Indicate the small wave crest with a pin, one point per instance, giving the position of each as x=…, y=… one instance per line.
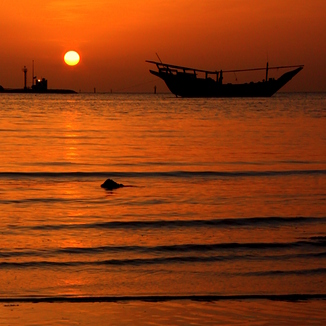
x=179, y=259
x=173, y=174
x=182, y=248
x=165, y=298
x=272, y=221
x=131, y=262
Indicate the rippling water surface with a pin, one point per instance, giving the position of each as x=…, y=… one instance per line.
x=224, y=207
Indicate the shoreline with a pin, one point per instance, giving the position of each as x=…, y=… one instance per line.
x=165, y=313
x=30, y=91
x=166, y=298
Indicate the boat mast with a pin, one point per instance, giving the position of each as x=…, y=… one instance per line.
x=158, y=57
x=267, y=71
x=32, y=73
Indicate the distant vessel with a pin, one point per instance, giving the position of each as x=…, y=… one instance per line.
x=38, y=86
x=184, y=81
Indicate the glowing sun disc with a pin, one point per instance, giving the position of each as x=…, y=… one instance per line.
x=71, y=58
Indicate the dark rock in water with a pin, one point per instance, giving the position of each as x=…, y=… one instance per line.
x=110, y=185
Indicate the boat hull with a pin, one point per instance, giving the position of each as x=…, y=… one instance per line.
x=186, y=84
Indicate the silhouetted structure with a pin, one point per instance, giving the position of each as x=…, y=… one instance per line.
x=40, y=86
x=33, y=77
x=25, y=77
x=184, y=82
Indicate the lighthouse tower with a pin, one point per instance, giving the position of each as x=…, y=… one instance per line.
x=25, y=76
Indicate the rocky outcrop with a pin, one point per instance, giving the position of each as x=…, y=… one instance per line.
x=110, y=185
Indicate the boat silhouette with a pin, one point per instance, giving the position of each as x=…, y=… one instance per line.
x=38, y=86
x=185, y=82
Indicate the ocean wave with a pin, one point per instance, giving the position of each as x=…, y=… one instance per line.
x=50, y=200
x=181, y=259
x=110, y=262
x=164, y=298
x=173, y=174
x=182, y=248
x=287, y=272
x=272, y=221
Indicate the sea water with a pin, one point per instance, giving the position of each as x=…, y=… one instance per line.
x=222, y=217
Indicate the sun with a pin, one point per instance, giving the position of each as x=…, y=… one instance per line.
x=71, y=58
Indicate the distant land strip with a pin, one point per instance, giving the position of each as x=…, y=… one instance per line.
x=164, y=298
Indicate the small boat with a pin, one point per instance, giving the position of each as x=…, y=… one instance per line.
x=186, y=82
x=38, y=86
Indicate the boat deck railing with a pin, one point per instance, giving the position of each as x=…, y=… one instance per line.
x=174, y=69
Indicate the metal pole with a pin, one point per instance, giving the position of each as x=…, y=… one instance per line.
x=25, y=74
x=32, y=73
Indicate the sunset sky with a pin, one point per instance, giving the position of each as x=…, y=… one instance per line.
x=115, y=37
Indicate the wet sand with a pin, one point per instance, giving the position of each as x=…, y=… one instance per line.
x=183, y=312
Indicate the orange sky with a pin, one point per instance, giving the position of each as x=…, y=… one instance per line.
x=115, y=37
